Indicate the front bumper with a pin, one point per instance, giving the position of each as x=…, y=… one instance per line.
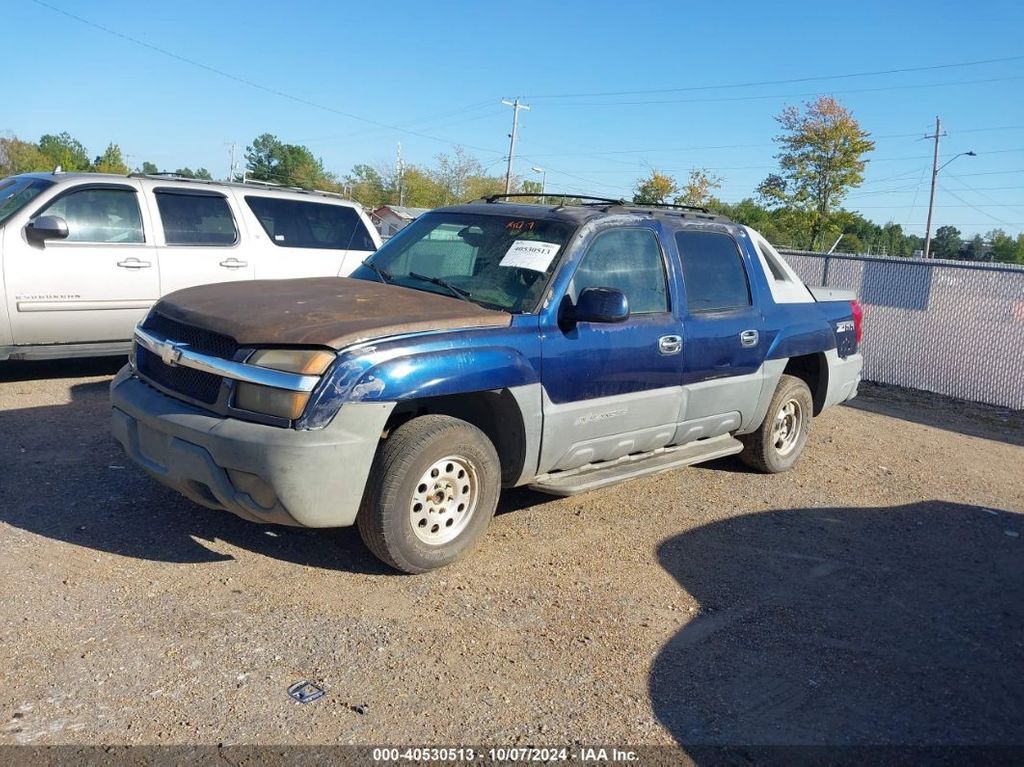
x=261, y=473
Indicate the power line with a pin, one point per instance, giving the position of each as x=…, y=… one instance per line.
x=252, y=83
x=788, y=81
x=769, y=97
x=955, y=196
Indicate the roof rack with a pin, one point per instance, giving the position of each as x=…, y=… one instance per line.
x=581, y=197
x=248, y=184
x=670, y=205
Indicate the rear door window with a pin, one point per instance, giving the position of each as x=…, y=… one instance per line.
x=713, y=272
x=302, y=224
x=99, y=215
x=191, y=218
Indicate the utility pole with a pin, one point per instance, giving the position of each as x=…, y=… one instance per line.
x=231, y=171
x=400, y=174
x=516, y=106
x=931, y=198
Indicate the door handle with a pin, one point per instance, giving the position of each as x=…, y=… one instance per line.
x=670, y=344
x=233, y=263
x=749, y=338
x=134, y=263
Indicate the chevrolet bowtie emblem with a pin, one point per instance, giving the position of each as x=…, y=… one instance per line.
x=170, y=354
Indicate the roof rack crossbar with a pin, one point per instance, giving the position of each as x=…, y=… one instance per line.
x=555, y=195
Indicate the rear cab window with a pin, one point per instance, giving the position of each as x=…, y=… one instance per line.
x=714, y=276
x=306, y=224
x=196, y=218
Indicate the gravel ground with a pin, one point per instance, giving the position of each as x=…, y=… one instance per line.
x=875, y=594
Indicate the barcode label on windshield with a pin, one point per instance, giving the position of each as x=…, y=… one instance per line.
x=530, y=254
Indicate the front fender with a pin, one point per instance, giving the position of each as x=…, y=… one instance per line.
x=393, y=377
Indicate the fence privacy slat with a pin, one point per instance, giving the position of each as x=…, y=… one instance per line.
x=950, y=327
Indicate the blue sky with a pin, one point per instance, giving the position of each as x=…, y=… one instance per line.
x=351, y=80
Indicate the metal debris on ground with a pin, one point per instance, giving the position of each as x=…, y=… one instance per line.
x=306, y=692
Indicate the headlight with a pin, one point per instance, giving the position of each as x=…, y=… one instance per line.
x=282, y=403
x=270, y=401
x=310, y=362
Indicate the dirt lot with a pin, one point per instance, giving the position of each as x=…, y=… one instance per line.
x=875, y=594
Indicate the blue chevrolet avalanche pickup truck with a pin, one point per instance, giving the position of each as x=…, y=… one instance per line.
x=493, y=344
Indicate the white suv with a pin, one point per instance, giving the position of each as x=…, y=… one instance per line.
x=84, y=255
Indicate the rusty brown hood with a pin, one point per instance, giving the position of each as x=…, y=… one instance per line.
x=320, y=311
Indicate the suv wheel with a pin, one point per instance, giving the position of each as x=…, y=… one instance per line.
x=781, y=437
x=431, y=494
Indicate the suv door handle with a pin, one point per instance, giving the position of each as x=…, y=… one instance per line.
x=749, y=338
x=670, y=344
x=134, y=263
x=233, y=263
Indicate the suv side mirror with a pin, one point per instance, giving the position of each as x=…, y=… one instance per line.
x=46, y=228
x=601, y=305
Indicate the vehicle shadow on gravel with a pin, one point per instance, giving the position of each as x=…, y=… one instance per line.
x=64, y=477
x=19, y=370
x=973, y=419
x=843, y=626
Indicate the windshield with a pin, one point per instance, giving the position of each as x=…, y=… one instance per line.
x=501, y=262
x=16, y=193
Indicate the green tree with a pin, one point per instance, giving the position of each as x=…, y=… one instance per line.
x=111, y=161
x=269, y=159
x=200, y=173
x=65, y=151
x=821, y=159
x=17, y=156
x=946, y=242
x=368, y=186
x=1003, y=247
x=699, y=188
x=453, y=174
x=772, y=191
x=261, y=157
x=421, y=189
x=149, y=168
x=976, y=250
x=656, y=189
x=893, y=240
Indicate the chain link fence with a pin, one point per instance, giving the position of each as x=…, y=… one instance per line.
x=951, y=327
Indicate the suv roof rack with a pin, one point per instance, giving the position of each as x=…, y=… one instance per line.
x=580, y=197
x=171, y=176
x=607, y=203
x=669, y=205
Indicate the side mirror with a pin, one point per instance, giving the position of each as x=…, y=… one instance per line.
x=46, y=228
x=601, y=305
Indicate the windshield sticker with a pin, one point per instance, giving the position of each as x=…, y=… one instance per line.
x=520, y=226
x=530, y=254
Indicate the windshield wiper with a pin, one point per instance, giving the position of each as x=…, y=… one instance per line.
x=465, y=295
x=385, y=276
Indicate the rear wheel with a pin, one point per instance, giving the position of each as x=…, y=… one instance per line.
x=780, y=439
x=431, y=494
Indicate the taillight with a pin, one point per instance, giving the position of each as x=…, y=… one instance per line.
x=858, y=319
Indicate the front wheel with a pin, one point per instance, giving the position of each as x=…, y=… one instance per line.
x=431, y=494
x=781, y=437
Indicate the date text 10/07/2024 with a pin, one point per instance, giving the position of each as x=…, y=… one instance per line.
x=503, y=754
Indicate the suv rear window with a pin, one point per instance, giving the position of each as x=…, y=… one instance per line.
x=301, y=224
x=195, y=219
x=713, y=272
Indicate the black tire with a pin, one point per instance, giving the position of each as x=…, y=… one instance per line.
x=771, y=450
x=404, y=460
